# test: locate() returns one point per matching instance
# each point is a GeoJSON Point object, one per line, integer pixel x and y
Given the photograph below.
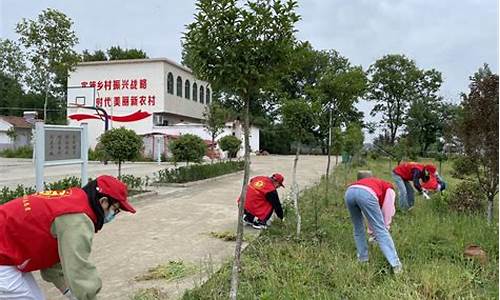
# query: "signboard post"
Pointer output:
{"type": "Point", "coordinates": [57, 145]}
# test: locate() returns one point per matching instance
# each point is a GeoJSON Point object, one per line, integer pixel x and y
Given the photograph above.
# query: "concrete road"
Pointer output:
{"type": "Point", "coordinates": [175, 226]}
{"type": "Point", "coordinates": [22, 171]}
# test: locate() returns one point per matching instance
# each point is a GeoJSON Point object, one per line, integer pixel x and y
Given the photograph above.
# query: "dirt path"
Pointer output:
{"type": "Point", "coordinates": [175, 226]}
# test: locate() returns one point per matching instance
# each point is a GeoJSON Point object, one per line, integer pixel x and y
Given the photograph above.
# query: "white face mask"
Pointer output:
{"type": "Point", "coordinates": [109, 217]}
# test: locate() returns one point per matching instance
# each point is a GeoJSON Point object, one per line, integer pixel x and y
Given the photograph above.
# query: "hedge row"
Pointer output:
{"type": "Point", "coordinates": [198, 172]}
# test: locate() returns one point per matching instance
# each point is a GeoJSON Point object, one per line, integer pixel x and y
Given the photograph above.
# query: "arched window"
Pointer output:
{"type": "Point", "coordinates": [187, 89]}
{"type": "Point", "coordinates": [208, 96]}
{"type": "Point", "coordinates": [195, 92]}
{"type": "Point", "coordinates": [170, 83]}
{"type": "Point", "coordinates": [179, 86]}
{"type": "Point", "coordinates": [202, 96]}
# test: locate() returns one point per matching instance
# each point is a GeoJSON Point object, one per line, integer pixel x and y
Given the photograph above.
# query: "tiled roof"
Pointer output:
{"type": "Point", "coordinates": [17, 122]}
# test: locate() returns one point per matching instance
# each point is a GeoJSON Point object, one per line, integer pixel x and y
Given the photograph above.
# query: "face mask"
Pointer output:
{"type": "Point", "coordinates": [109, 217]}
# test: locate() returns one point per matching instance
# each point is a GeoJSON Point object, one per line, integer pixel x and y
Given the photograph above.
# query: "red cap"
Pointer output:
{"type": "Point", "coordinates": [279, 178]}
{"type": "Point", "coordinates": [430, 168]}
{"type": "Point", "coordinates": [114, 188]}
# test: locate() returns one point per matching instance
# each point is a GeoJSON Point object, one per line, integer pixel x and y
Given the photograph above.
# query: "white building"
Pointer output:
{"type": "Point", "coordinates": [16, 132]}
{"type": "Point", "coordinates": [149, 96]}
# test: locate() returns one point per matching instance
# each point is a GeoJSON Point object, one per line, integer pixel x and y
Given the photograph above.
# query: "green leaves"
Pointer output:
{"type": "Point", "coordinates": [298, 118]}
{"type": "Point", "coordinates": [121, 144]}
{"type": "Point", "coordinates": [189, 148]}
{"type": "Point", "coordinates": [231, 144]}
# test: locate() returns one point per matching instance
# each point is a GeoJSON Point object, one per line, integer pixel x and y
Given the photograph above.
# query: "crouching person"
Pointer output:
{"type": "Point", "coordinates": [369, 197]}
{"type": "Point", "coordinates": [262, 200]}
{"type": "Point", "coordinates": [52, 232]}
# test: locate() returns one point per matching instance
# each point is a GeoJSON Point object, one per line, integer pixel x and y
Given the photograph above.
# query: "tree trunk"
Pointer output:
{"type": "Point", "coordinates": [490, 210]}
{"type": "Point", "coordinates": [328, 151]}
{"type": "Point", "coordinates": [119, 169]}
{"type": "Point", "coordinates": [46, 96]}
{"type": "Point", "coordinates": [239, 232]}
{"type": "Point", "coordinates": [295, 190]}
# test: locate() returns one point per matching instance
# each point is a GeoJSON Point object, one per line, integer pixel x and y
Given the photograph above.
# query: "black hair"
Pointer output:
{"type": "Point", "coordinates": [93, 195]}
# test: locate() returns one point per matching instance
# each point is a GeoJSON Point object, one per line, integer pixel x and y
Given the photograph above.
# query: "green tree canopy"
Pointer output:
{"type": "Point", "coordinates": [188, 148]}
{"type": "Point", "coordinates": [121, 144]}
{"type": "Point", "coordinates": [231, 144]}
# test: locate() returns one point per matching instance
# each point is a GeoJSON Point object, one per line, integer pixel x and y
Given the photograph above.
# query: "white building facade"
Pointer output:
{"type": "Point", "coordinates": [149, 96]}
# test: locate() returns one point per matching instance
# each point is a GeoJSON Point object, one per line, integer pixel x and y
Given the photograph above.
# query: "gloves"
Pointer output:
{"type": "Point", "coordinates": [426, 196]}
{"type": "Point", "coordinates": [69, 295]}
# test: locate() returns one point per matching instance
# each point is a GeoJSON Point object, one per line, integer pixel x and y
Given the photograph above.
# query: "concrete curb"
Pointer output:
{"type": "Point", "coordinates": [143, 195]}
{"type": "Point", "coordinates": [192, 183]}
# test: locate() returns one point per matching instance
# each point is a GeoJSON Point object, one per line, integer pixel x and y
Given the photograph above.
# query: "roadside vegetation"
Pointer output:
{"type": "Point", "coordinates": [322, 264]}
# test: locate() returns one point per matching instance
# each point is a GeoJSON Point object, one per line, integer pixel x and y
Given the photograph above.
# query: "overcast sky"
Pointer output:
{"type": "Point", "coordinates": [454, 37]}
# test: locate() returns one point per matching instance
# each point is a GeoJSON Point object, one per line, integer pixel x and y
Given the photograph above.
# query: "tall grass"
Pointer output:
{"type": "Point", "coordinates": [430, 241]}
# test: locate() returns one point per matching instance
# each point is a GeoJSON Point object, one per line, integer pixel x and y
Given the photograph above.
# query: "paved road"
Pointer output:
{"type": "Point", "coordinates": [175, 226]}
{"type": "Point", "coordinates": [22, 171]}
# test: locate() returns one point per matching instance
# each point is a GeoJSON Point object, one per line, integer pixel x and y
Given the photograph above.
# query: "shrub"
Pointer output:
{"type": "Point", "coordinates": [98, 153]}
{"type": "Point", "coordinates": [463, 166]}
{"type": "Point", "coordinates": [121, 144]}
{"type": "Point", "coordinates": [231, 144]}
{"type": "Point", "coordinates": [21, 152]}
{"type": "Point", "coordinates": [7, 194]}
{"type": "Point", "coordinates": [198, 172]}
{"type": "Point", "coordinates": [135, 183]}
{"type": "Point", "coordinates": [188, 148]}
{"type": "Point", "coordinates": [467, 197]}
{"type": "Point", "coordinates": [64, 183]}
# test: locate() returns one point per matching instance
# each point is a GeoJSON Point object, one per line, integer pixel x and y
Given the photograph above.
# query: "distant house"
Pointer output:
{"type": "Point", "coordinates": [16, 132]}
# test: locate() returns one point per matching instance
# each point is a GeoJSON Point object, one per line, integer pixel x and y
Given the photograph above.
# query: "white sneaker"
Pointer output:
{"type": "Point", "coordinates": [258, 225]}
{"type": "Point", "coordinates": [397, 269]}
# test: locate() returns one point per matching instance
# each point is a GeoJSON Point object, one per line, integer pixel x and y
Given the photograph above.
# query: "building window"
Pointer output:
{"type": "Point", "coordinates": [208, 96]}
{"type": "Point", "coordinates": [187, 89]}
{"type": "Point", "coordinates": [170, 83]}
{"type": "Point", "coordinates": [160, 119]}
{"type": "Point", "coordinates": [202, 96]}
{"type": "Point", "coordinates": [179, 86]}
{"type": "Point", "coordinates": [195, 92]}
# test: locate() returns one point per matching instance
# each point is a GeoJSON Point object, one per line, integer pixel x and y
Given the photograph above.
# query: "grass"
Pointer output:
{"type": "Point", "coordinates": [229, 236]}
{"type": "Point", "coordinates": [430, 241]}
{"type": "Point", "coordinates": [149, 294]}
{"type": "Point", "coordinates": [171, 271]}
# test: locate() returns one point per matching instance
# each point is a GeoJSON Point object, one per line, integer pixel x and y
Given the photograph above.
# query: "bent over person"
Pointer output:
{"type": "Point", "coordinates": [373, 198]}
{"type": "Point", "coordinates": [411, 171]}
{"type": "Point", "coordinates": [52, 232]}
{"type": "Point", "coordinates": [262, 200]}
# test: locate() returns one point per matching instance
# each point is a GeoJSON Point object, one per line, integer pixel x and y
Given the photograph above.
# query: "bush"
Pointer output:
{"type": "Point", "coordinates": [98, 153]}
{"type": "Point", "coordinates": [63, 184]}
{"type": "Point", "coordinates": [231, 144]}
{"type": "Point", "coordinates": [135, 183]}
{"type": "Point", "coordinates": [467, 197]}
{"type": "Point", "coordinates": [462, 167]}
{"type": "Point", "coordinates": [7, 194]}
{"type": "Point", "coordinates": [198, 172]}
{"type": "Point", "coordinates": [121, 144]}
{"type": "Point", "coordinates": [21, 152]}
{"type": "Point", "coordinates": [188, 148]}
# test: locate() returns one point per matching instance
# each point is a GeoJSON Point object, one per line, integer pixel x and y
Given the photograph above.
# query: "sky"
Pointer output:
{"type": "Point", "coordinates": [454, 37]}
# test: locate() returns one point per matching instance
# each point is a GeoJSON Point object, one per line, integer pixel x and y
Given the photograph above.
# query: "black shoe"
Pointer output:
{"type": "Point", "coordinates": [259, 225]}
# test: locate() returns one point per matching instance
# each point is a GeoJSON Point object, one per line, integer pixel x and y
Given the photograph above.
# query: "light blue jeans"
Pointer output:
{"type": "Point", "coordinates": [406, 194]}
{"type": "Point", "coordinates": [360, 202]}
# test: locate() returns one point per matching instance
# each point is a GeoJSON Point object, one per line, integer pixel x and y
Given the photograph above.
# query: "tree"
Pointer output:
{"type": "Point", "coordinates": [353, 139]}
{"type": "Point", "coordinates": [188, 147]}
{"type": "Point", "coordinates": [98, 55]}
{"type": "Point", "coordinates": [231, 144]}
{"type": "Point", "coordinates": [298, 118]}
{"type": "Point", "coordinates": [394, 82]}
{"type": "Point", "coordinates": [120, 145]}
{"type": "Point", "coordinates": [49, 41]}
{"type": "Point", "coordinates": [215, 120]}
{"type": "Point", "coordinates": [424, 120]}
{"type": "Point", "coordinates": [117, 53]}
{"type": "Point", "coordinates": [477, 128]}
{"type": "Point", "coordinates": [12, 60]}
{"type": "Point", "coordinates": [340, 87]}
{"type": "Point", "coordinates": [11, 93]}
{"type": "Point", "coordinates": [337, 143]}
{"type": "Point", "coordinates": [239, 50]}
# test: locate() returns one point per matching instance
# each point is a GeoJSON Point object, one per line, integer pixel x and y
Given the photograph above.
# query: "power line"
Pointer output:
{"type": "Point", "coordinates": [30, 108]}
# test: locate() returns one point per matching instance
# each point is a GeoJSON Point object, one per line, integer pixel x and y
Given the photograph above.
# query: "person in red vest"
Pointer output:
{"type": "Point", "coordinates": [262, 200]}
{"type": "Point", "coordinates": [373, 198]}
{"type": "Point", "coordinates": [52, 232]}
{"type": "Point", "coordinates": [411, 171]}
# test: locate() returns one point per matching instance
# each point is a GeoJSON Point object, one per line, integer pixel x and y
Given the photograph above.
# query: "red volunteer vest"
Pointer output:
{"type": "Point", "coordinates": [256, 202]}
{"type": "Point", "coordinates": [378, 186]}
{"type": "Point", "coordinates": [25, 238]}
{"type": "Point", "coordinates": [404, 170]}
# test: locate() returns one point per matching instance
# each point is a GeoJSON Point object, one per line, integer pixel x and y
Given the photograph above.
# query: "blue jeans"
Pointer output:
{"type": "Point", "coordinates": [360, 202]}
{"type": "Point", "coordinates": [406, 194]}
